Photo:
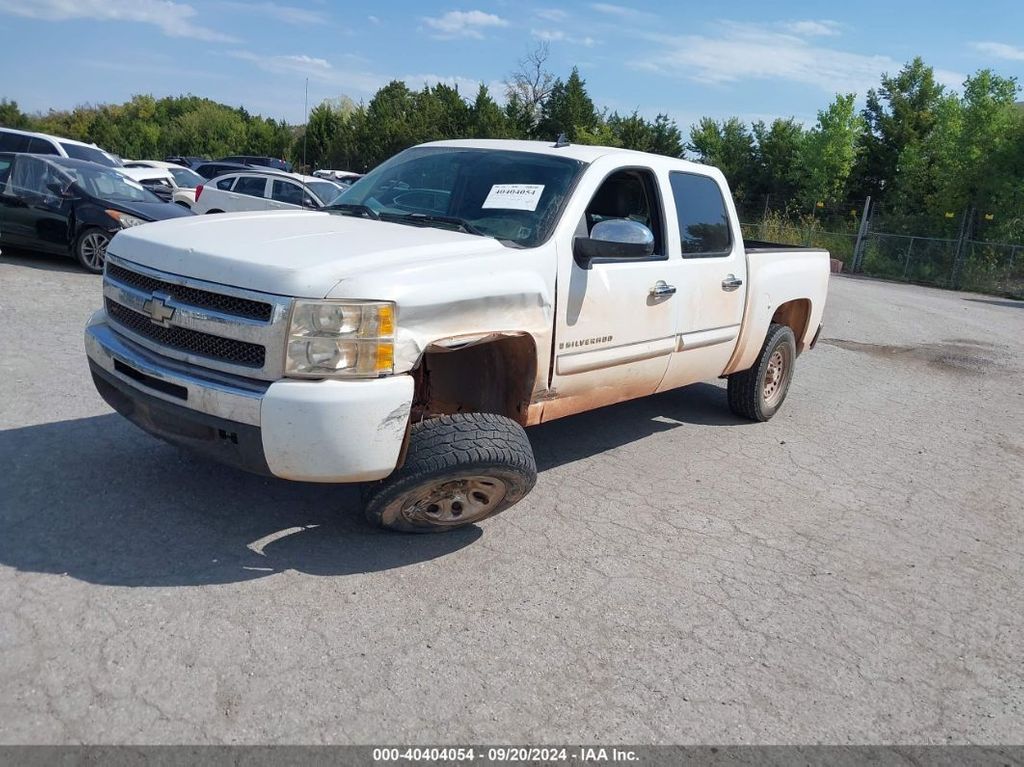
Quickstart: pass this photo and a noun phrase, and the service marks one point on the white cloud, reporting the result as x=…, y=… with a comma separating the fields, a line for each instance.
x=463, y=24
x=287, y=13
x=1000, y=50
x=808, y=28
x=558, y=36
x=318, y=70
x=467, y=85
x=620, y=11
x=767, y=52
x=373, y=19
x=173, y=19
x=552, y=14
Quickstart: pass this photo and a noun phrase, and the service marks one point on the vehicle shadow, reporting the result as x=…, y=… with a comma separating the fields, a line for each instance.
x=580, y=436
x=99, y=500
x=47, y=262
x=997, y=302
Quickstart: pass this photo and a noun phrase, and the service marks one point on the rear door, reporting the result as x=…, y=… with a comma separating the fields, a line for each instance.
x=248, y=193
x=712, y=282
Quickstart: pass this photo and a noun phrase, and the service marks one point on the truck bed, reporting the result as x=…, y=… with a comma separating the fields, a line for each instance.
x=760, y=246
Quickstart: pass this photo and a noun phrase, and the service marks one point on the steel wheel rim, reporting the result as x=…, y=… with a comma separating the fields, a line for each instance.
x=94, y=249
x=455, y=501
x=775, y=378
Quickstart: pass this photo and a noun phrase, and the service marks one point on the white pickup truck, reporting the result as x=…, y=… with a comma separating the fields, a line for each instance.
x=459, y=292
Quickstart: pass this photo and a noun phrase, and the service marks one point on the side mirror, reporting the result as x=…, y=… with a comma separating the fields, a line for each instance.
x=616, y=238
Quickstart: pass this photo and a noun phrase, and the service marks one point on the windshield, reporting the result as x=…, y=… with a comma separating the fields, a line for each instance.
x=90, y=153
x=185, y=178
x=325, y=190
x=109, y=185
x=515, y=197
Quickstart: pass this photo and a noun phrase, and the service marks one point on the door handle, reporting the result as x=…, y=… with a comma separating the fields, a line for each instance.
x=731, y=282
x=662, y=288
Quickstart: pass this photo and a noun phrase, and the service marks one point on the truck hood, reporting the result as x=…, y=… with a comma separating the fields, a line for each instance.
x=290, y=253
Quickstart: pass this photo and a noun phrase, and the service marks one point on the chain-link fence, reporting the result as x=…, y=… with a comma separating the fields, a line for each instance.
x=870, y=243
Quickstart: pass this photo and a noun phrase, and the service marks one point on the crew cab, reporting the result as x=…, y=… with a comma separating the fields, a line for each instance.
x=462, y=291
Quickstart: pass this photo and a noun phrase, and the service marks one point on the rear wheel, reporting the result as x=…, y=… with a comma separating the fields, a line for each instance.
x=91, y=249
x=459, y=469
x=759, y=392
x=213, y=211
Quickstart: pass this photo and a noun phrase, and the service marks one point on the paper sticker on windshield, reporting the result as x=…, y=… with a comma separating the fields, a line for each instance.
x=514, y=196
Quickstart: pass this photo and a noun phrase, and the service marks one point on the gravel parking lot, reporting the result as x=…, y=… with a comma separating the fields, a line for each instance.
x=849, y=572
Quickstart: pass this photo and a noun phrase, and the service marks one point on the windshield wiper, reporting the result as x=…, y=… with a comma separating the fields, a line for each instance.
x=355, y=209
x=425, y=219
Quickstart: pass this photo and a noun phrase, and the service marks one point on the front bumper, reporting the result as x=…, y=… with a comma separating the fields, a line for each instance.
x=312, y=431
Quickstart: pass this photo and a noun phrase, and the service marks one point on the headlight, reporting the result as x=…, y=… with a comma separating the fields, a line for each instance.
x=126, y=221
x=341, y=339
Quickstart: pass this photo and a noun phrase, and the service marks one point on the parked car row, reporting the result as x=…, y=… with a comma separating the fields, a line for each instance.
x=63, y=196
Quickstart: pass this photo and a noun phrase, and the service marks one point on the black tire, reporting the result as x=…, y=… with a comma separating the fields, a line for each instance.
x=185, y=205
x=459, y=469
x=213, y=211
x=91, y=249
x=759, y=392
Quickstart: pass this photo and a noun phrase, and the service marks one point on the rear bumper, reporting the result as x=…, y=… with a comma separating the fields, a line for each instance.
x=312, y=431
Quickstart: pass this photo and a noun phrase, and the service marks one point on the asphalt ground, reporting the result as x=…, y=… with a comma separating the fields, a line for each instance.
x=848, y=573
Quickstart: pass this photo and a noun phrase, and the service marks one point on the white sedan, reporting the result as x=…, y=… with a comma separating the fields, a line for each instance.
x=183, y=181
x=264, y=190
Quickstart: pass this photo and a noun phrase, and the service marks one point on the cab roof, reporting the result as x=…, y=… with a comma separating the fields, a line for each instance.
x=582, y=152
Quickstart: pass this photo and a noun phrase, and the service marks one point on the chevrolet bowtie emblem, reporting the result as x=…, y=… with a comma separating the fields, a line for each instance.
x=158, y=310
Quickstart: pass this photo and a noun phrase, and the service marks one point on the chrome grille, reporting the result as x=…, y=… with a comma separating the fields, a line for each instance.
x=241, y=307
x=191, y=341
x=207, y=324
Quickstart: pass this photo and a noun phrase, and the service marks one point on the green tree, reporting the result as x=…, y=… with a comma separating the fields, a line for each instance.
x=486, y=118
x=728, y=146
x=568, y=109
x=11, y=115
x=897, y=116
x=776, y=156
x=829, y=151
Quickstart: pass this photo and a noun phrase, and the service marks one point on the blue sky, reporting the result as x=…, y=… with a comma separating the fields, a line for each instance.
x=755, y=60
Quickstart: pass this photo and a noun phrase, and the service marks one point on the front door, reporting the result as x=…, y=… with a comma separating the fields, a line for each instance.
x=615, y=327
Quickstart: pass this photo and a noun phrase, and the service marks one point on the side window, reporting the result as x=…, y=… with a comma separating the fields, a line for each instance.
x=224, y=184
x=285, y=191
x=629, y=194
x=703, y=219
x=254, y=186
x=41, y=146
x=13, y=142
x=5, y=171
x=29, y=177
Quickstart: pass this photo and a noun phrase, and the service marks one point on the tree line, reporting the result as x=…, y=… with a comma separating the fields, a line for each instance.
x=925, y=153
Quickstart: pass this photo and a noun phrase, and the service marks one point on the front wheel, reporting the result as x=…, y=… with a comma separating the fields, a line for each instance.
x=91, y=249
x=459, y=469
x=759, y=392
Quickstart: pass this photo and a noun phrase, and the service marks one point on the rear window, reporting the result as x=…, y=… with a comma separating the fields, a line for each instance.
x=703, y=218
x=41, y=146
x=90, y=153
x=225, y=183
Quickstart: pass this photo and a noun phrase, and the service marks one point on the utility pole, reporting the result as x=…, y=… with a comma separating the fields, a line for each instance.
x=305, y=129
x=862, y=232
